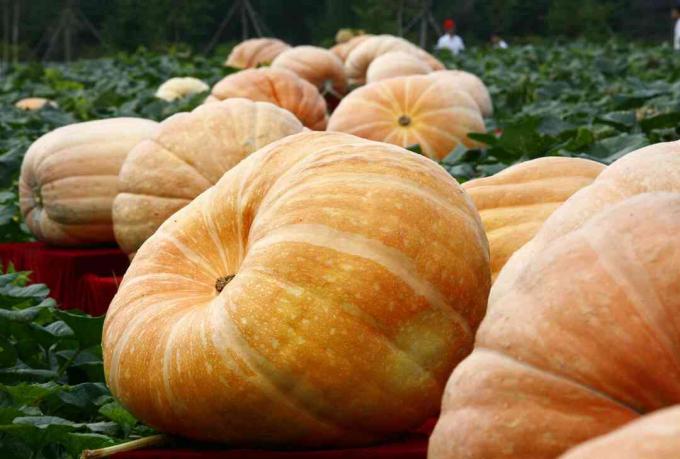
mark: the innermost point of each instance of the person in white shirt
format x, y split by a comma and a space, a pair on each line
675, 14
498, 42
450, 40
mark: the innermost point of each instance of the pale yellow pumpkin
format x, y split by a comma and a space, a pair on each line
394, 64
255, 51
469, 82
69, 179
180, 87
317, 296
188, 154
410, 110
515, 202
317, 65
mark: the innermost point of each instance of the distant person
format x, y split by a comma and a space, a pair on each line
450, 40
675, 14
498, 42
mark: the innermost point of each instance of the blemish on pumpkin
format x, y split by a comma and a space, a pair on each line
404, 120
222, 282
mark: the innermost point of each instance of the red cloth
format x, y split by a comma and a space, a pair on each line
72, 274
412, 447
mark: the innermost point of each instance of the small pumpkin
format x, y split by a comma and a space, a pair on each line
394, 64
187, 155
69, 179
469, 82
358, 60
299, 302
515, 202
32, 104
255, 51
342, 49
410, 110
279, 87
317, 65
654, 436
180, 87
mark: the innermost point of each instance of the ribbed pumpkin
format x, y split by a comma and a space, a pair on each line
254, 52
357, 61
653, 168
280, 87
410, 110
179, 87
69, 179
343, 49
469, 82
31, 104
583, 340
190, 153
317, 295
317, 65
394, 64
515, 202
654, 436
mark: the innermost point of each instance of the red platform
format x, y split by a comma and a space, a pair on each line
85, 279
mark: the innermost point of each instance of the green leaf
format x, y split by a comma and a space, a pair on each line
87, 330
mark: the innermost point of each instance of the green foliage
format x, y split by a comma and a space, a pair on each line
53, 399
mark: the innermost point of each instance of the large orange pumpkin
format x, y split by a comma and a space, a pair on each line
188, 154
358, 60
254, 52
515, 202
394, 64
317, 295
583, 339
343, 49
32, 104
653, 168
280, 87
469, 82
69, 179
654, 436
317, 65
410, 110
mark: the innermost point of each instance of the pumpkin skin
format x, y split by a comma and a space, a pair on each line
279, 87
179, 87
649, 169
317, 65
69, 179
190, 153
582, 345
32, 104
343, 49
358, 60
410, 110
394, 64
255, 51
347, 308
654, 436
515, 203
469, 82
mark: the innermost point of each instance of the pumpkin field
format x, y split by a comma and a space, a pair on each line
304, 277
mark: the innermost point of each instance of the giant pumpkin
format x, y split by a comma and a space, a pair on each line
469, 82
32, 104
358, 60
584, 338
254, 52
188, 154
317, 65
410, 110
317, 295
343, 49
280, 87
394, 64
69, 179
180, 87
654, 436
515, 202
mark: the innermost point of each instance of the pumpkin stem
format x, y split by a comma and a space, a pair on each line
404, 120
153, 440
37, 196
222, 282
